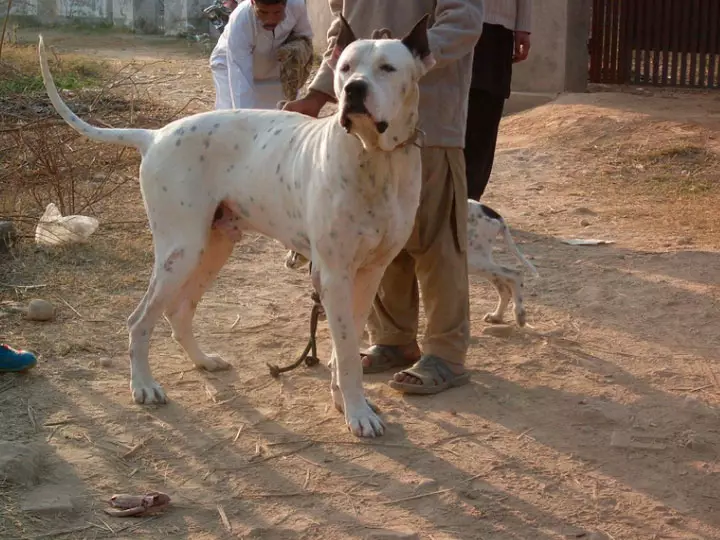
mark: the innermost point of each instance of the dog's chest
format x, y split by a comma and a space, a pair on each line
369, 213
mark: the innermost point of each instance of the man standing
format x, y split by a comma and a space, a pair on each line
505, 40
435, 253
245, 62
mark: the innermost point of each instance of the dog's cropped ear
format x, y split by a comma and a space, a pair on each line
417, 42
345, 37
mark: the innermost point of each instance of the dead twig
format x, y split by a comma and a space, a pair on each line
136, 448
31, 416
265, 459
68, 305
421, 496
7, 16
224, 518
692, 390
26, 287
59, 532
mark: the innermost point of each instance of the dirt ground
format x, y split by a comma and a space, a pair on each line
599, 421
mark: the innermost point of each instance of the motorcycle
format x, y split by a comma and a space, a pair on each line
219, 13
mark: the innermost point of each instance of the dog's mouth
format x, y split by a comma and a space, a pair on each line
357, 113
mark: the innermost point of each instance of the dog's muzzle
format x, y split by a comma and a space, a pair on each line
355, 96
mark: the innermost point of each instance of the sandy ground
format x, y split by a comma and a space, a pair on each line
600, 421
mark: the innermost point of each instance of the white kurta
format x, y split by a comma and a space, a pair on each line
244, 62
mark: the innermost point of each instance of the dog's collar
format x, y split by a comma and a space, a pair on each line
417, 139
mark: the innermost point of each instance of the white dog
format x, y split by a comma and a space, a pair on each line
342, 191
484, 226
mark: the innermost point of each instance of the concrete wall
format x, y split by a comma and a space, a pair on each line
152, 16
320, 18
558, 58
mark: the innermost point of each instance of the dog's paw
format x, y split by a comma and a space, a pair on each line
340, 404
520, 318
212, 362
365, 422
147, 392
493, 319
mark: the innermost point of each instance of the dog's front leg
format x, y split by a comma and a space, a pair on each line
346, 387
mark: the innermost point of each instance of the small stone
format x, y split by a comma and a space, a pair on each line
584, 223
691, 402
684, 241
672, 520
582, 211
40, 310
498, 330
426, 484
105, 362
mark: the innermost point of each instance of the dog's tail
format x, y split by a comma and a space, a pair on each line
513, 247
139, 138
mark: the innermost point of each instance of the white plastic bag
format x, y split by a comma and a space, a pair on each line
54, 229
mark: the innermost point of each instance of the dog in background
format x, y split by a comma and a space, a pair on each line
484, 226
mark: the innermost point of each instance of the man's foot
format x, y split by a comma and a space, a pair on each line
15, 360
430, 375
379, 358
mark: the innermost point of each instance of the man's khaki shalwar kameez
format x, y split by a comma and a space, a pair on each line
435, 253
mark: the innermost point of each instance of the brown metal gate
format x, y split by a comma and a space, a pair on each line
656, 42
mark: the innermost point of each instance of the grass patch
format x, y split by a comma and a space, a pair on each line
680, 168
20, 71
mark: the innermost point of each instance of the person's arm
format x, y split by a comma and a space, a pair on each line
456, 30
523, 20
302, 26
240, 62
323, 81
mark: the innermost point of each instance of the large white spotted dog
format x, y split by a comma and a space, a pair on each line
208, 178
484, 226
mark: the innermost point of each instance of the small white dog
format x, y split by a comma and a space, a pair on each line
484, 225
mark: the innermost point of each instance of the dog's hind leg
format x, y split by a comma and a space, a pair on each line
498, 277
517, 287
174, 263
182, 310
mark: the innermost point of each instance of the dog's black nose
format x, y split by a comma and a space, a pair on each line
356, 92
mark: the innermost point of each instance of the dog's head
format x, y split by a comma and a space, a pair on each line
376, 82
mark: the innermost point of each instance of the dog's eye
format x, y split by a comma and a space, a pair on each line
387, 68
345, 68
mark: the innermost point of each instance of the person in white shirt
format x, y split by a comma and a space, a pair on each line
244, 63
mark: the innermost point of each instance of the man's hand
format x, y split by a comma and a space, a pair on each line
522, 46
310, 105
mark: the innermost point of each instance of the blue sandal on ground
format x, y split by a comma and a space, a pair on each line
14, 360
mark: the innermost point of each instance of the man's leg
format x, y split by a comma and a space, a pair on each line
483, 122
223, 99
438, 246
393, 321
